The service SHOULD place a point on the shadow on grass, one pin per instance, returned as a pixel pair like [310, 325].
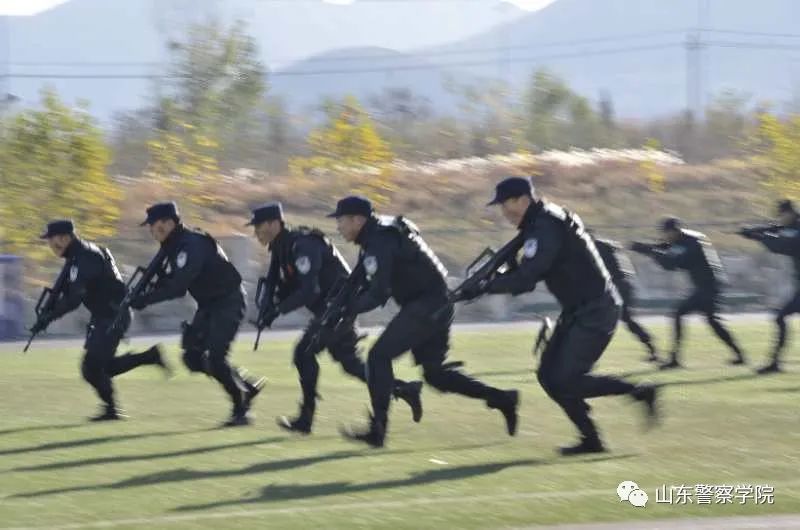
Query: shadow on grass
[185, 474]
[69, 444]
[120, 459]
[290, 492]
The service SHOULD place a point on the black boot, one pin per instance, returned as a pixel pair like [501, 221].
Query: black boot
[301, 424]
[159, 359]
[670, 365]
[107, 413]
[374, 436]
[587, 445]
[410, 393]
[772, 368]
[507, 402]
[253, 388]
[647, 394]
[653, 354]
[239, 418]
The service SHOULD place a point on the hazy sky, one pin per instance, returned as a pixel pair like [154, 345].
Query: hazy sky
[30, 7]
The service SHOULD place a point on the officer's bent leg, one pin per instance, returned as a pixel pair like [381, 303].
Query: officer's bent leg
[223, 326]
[344, 349]
[636, 328]
[193, 342]
[686, 307]
[715, 321]
[100, 350]
[305, 360]
[791, 307]
[398, 337]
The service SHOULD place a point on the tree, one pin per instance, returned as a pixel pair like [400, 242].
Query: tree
[216, 88]
[777, 150]
[54, 164]
[349, 141]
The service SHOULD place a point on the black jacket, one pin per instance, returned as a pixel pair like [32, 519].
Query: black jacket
[558, 251]
[694, 254]
[397, 263]
[197, 264]
[307, 265]
[785, 241]
[92, 279]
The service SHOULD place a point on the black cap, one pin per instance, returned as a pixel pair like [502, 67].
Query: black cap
[786, 206]
[161, 210]
[670, 223]
[272, 211]
[510, 188]
[353, 205]
[57, 228]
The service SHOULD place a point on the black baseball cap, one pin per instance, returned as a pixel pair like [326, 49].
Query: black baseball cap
[161, 210]
[353, 205]
[511, 187]
[272, 211]
[57, 228]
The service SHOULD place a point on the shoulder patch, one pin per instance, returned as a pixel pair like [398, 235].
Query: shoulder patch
[370, 265]
[180, 260]
[73, 273]
[530, 248]
[303, 264]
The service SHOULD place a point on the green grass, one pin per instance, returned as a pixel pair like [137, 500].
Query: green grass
[457, 469]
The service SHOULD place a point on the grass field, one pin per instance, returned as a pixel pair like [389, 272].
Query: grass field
[168, 467]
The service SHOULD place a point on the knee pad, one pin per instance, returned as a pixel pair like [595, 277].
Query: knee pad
[194, 360]
[191, 338]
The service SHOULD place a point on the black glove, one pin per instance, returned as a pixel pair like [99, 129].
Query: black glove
[139, 302]
[268, 318]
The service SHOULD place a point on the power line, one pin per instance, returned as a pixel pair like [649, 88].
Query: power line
[399, 55]
[398, 68]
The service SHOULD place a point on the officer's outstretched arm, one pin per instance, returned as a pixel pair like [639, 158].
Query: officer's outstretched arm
[378, 261]
[308, 264]
[788, 246]
[539, 253]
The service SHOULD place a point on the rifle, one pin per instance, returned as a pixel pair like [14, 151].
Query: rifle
[748, 231]
[139, 283]
[337, 306]
[486, 266]
[647, 248]
[265, 299]
[47, 303]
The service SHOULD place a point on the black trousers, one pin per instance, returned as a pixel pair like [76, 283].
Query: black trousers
[789, 308]
[575, 346]
[100, 363]
[627, 317]
[706, 303]
[207, 340]
[414, 328]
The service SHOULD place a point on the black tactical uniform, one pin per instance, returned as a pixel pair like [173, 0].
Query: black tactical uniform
[784, 240]
[305, 266]
[558, 251]
[92, 279]
[622, 274]
[398, 264]
[693, 253]
[197, 264]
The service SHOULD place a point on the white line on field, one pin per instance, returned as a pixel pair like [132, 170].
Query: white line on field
[365, 505]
